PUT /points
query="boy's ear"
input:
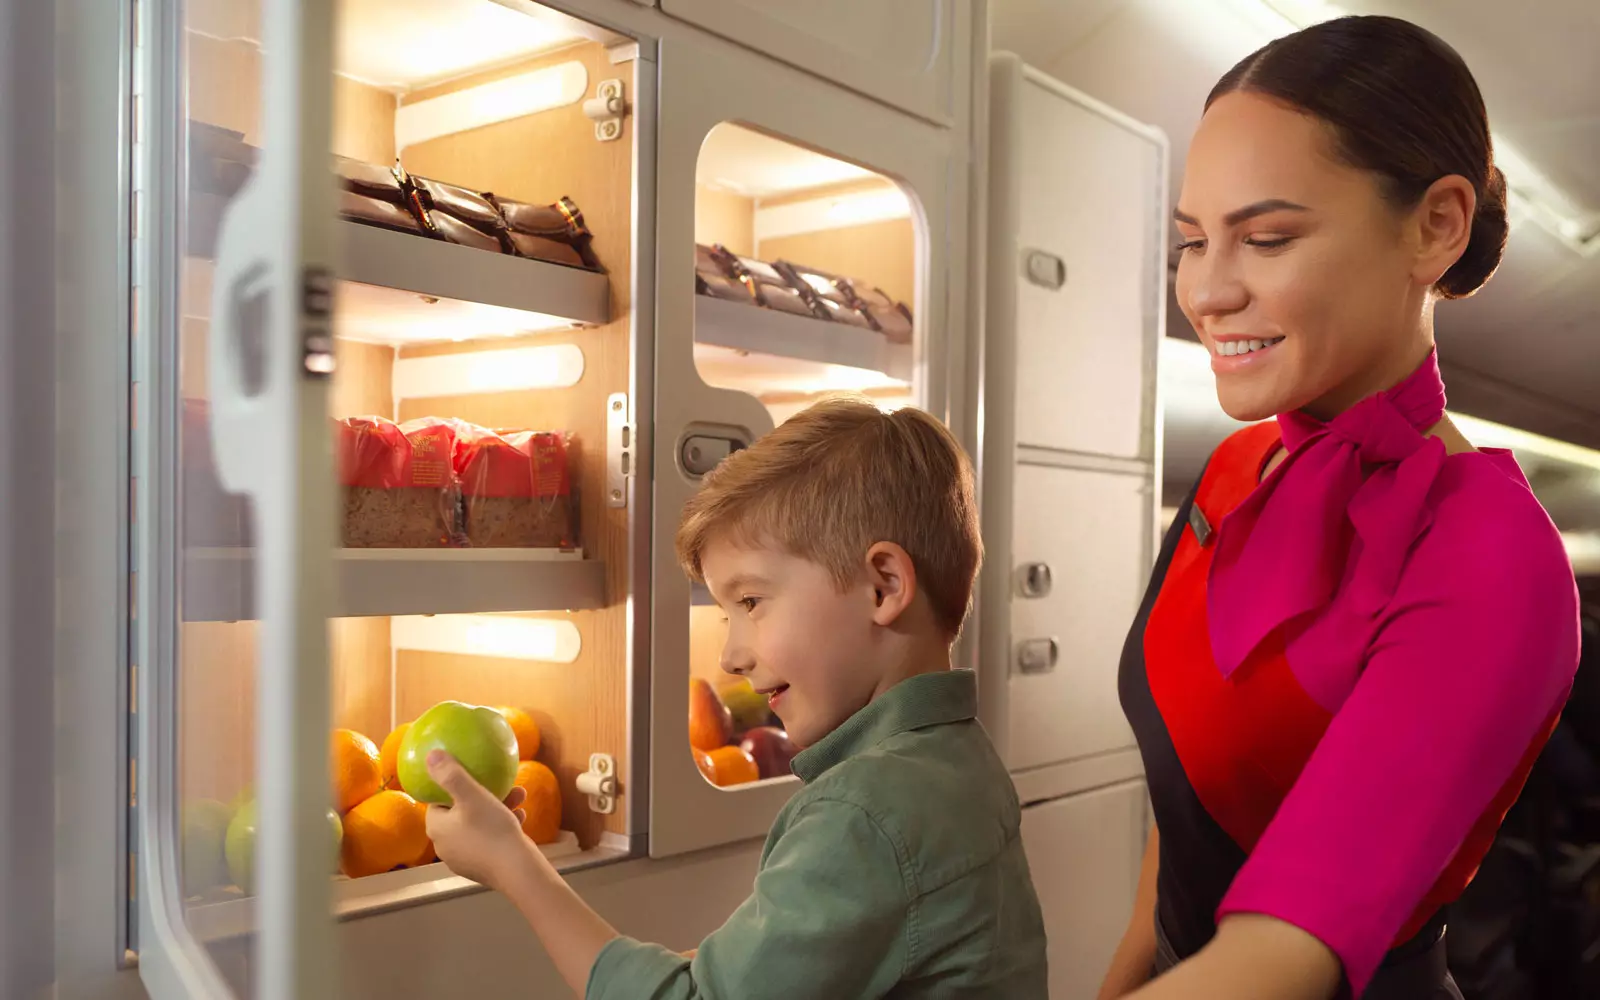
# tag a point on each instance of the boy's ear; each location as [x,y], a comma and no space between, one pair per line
[893,579]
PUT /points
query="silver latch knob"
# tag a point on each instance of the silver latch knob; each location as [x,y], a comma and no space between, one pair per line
[600,783]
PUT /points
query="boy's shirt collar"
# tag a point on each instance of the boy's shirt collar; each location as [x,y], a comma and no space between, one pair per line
[915,703]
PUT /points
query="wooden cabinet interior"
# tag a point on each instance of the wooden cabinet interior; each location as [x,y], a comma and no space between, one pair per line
[581,706]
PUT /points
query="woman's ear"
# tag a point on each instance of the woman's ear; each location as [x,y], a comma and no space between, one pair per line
[1443,221]
[893,579]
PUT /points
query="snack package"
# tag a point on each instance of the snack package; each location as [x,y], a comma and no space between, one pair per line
[891,318]
[770,287]
[712,278]
[517,488]
[399,483]
[560,223]
[852,301]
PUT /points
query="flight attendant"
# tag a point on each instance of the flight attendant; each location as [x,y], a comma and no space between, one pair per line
[1361,629]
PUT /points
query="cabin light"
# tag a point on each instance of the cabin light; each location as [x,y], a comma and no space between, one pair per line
[555,366]
[490,103]
[545,640]
[843,378]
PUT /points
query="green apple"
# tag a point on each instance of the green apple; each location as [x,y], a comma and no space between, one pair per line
[748,707]
[240,845]
[205,827]
[477,736]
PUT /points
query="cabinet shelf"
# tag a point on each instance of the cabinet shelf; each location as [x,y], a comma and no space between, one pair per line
[398,288]
[810,347]
[219,584]
[233,916]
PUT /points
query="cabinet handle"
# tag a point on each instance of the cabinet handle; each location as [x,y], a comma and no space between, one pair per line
[1045,269]
[1035,580]
[1038,656]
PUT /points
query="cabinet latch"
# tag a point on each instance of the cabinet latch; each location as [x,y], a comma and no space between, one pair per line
[606,109]
[600,783]
[619,450]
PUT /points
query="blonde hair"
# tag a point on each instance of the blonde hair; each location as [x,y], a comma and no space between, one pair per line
[837,479]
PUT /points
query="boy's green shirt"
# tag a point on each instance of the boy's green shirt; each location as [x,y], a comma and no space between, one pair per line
[897,871]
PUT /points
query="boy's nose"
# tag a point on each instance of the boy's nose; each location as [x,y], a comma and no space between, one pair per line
[737,659]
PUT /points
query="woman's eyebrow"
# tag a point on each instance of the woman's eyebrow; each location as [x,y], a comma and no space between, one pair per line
[1246,213]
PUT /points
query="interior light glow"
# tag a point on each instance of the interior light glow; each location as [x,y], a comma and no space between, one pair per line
[489,103]
[553,366]
[546,640]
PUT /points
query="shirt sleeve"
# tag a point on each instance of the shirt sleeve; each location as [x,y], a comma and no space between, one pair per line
[1472,661]
[828,919]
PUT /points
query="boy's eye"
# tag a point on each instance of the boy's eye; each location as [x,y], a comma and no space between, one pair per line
[749,603]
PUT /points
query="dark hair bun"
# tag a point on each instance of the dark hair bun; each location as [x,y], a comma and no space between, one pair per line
[1402,104]
[1486,245]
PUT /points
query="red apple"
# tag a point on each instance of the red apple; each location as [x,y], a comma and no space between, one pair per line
[771,748]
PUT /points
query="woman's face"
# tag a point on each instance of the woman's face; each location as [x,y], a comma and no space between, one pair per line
[1294,270]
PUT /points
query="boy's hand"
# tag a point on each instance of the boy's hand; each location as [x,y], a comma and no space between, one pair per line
[479,837]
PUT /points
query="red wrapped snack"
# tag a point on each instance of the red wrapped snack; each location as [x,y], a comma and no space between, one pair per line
[517,488]
[399,483]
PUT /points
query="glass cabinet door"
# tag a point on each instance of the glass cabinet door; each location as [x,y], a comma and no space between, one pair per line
[387,386]
[234,368]
[800,225]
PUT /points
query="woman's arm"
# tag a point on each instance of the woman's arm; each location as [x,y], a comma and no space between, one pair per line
[1252,958]
[1130,966]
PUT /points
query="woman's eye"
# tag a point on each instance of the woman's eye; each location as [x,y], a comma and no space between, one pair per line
[1189,246]
[1269,242]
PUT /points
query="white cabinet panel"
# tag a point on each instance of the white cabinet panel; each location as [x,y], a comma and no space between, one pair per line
[1092,531]
[899,51]
[1084,852]
[1077,196]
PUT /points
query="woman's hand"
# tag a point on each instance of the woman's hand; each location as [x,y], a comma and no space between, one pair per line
[478,836]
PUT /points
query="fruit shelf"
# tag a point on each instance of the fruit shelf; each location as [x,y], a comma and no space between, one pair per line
[224,915]
[219,584]
[754,330]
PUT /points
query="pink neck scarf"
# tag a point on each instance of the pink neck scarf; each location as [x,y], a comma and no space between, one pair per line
[1356,486]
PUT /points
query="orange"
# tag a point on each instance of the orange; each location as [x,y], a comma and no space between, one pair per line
[389,754]
[383,832]
[727,766]
[526,729]
[428,855]
[543,804]
[356,773]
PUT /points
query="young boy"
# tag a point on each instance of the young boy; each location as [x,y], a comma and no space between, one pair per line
[843,548]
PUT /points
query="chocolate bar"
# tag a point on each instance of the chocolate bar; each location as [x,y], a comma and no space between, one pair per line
[468,206]
[373,212]
[370,180]
[768,285]
[711,278]
[453,230]
[544,248]
[562,222]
